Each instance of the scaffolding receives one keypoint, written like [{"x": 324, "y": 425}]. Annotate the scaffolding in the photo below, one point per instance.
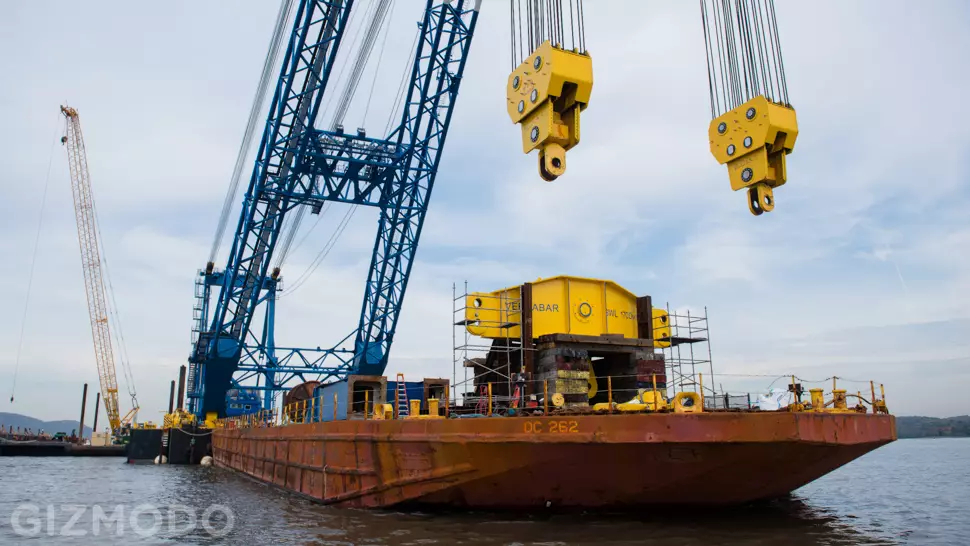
[
  {"x": 497, "y": 361},
  {"x": 688, "y": 354}
]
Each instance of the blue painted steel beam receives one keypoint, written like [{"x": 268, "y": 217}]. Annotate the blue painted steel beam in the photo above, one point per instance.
[
  {"x": 446, "y": 36},
  {"x": 298, "y": 165},
  {"x": 307, "y": 64}
]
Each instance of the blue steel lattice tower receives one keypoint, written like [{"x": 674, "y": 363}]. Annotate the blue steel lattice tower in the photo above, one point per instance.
[{"x": 299, "y": 165}]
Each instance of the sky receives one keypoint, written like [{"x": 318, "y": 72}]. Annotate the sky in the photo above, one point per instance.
[{"x": 862, "y": 270}]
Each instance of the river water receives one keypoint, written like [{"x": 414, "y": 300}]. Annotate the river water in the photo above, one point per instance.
[{"x": 909, "y": 492}]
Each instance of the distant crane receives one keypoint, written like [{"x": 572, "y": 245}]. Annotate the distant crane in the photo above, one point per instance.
[{"x": 89, "y": 241}]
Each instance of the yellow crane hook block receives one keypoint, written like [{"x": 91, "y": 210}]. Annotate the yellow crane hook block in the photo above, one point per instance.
[
  {"x": 545, "y": 95},
  {"x": 753, "y": 140}
]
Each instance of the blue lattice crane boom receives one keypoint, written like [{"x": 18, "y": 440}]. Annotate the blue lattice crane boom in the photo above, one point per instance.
[{"x": 299, "y": 165}]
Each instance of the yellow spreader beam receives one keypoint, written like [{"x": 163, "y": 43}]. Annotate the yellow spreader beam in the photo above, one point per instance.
[
  {"x": 753, "y": 140},
  {"x": 545, "y": 95}
]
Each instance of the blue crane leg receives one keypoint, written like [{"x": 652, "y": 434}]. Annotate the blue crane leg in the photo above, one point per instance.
[
  {"x": 446, "y": 36},
  {"x": 307, "y": 64}
]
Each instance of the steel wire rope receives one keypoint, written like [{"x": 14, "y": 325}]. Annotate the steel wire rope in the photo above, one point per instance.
[
  {"x": 762, "y": 56},
  {"x": 512, "y": 31},
  {"x": 291, "y": 224},
  {"x": 378, "y": 19},
  {"x": 780, "y": 65},
  {"x": 259, "y": 98},
  {"x": 33, "y": 261},
  {"x": 398, "y": 104},
  {"x": 581, "y": 19},
  {"x": 306, "y": 233},
  {"x": 384, "y": 16},
  {"x": 572, "y": 40},
  {"x": 322, "y": 254},
  {"x": 708, "y": 54},
  {"x": 113, "y": 312},
  {"x": 354, "y": 45},
  {"x": 725, "y": 72},
  {"x": 747, "y": 68},
  {"x": 377, "y": 70}
]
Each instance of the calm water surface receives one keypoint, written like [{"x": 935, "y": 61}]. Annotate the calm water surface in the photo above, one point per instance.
[{"x": 909, "y": 492}]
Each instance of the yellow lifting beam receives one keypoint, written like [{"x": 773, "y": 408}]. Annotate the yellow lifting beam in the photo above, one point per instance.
[
  {"x": 753, "y": 140},
  {"x": 545, "y": 95}
]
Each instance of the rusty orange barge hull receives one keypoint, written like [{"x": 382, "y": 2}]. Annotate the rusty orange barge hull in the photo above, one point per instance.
[{"x": 572, "y": 461}]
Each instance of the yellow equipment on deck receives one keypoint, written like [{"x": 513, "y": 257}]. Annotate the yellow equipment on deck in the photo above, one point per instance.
[
  {"x": 753, "y": 140},
  {"x": 178, "y": 419},
  {"x": 545, "y": 95},
  {"x": 560, "y": 305}
]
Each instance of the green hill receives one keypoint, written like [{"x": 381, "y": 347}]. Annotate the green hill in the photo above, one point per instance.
[
  {"x": 22, "y": 421},
  {"x": 933, "y": 427}
]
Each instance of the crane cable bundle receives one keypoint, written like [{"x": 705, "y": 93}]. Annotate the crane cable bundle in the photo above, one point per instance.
[
  {"x": 551, "y": 80},
  {"x": 754, "y": 125}
]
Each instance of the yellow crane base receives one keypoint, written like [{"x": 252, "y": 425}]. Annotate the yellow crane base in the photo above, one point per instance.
[{"x": 753, "y": 140}]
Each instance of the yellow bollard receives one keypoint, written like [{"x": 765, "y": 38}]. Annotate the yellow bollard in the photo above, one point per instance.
[
  {"x": 818, "y": 399},
  {"x": 839, "y": 399}
]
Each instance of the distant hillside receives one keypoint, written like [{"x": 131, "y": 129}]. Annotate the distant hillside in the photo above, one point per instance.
[
  {"x": 932, "y": 427},
  {"x": 22, "y": 421}
]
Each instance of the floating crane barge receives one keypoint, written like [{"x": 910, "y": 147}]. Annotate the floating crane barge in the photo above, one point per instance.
[
  {"x": 363, "y": 442},
  {"x": 570, "y": 405}
]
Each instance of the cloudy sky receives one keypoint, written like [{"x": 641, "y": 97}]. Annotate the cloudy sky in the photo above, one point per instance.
[{"x": 862, "y": 270}]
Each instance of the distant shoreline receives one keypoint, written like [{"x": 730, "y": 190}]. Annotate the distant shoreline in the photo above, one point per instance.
[{"x": 933, "y": 427}]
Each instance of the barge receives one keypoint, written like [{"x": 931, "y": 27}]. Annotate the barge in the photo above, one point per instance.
[{"x": 569, "y": 407}]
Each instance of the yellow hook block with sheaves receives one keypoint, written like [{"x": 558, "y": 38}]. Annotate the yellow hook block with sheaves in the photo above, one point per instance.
[
  {"x": 753, "y": 140},
  {"x": 545, "y": 95}
]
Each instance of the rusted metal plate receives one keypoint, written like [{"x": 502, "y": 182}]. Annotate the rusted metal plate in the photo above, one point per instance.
[{"x": 500, "y": 462}]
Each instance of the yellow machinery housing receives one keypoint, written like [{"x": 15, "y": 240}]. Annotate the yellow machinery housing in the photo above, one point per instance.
[
  {"x": 178, "y": 419},
  {"x": 753, "y": 140},
  {"x": 562, "y": 305},
  {"x": 545, "y": 95}
]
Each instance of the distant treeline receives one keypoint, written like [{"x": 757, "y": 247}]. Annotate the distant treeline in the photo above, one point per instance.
[
  {"x": 11, "y": 421},
  {"x": 931, "y": 427}
]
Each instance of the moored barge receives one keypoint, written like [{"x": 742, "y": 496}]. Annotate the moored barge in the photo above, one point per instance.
[{"x": 570, "y": 407}]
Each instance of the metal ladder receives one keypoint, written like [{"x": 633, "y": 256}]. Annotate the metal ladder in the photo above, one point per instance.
[{"x": 402, "y": 396}]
